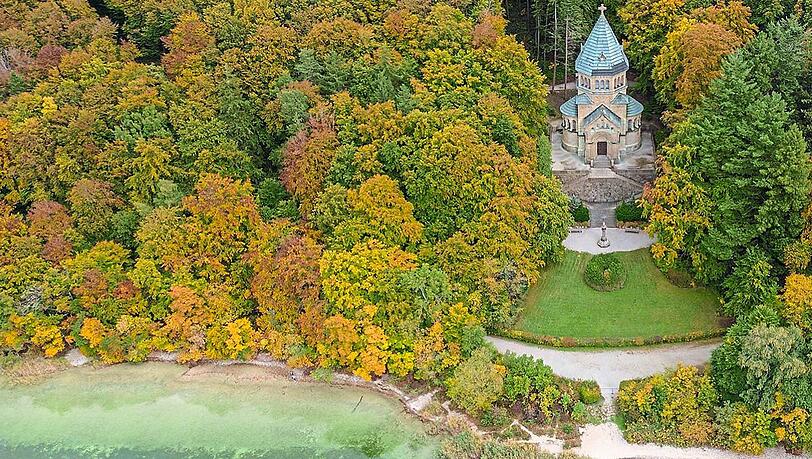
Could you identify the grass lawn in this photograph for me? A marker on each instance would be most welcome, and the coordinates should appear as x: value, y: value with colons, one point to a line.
x: 648, y: 305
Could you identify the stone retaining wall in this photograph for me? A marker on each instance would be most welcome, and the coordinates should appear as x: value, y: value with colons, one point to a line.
x: 602, y: 189
x: 567, y: 177
x: 640, y: 176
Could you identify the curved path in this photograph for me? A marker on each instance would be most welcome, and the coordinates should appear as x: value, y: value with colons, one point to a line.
x: 611, y: 366
x: 621, y: 241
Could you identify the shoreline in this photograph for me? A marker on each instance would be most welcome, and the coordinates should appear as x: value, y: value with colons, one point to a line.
x: 599, y: 441
x: 412, y: 404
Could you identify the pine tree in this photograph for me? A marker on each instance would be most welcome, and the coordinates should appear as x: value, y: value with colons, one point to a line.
x: 752, y: 161
x: 308, y: 67
x: 781, y: 59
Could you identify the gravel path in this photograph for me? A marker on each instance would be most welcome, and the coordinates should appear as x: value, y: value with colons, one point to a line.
x: 611, y: 366
x: 621, y: 241
x: 605, y: 441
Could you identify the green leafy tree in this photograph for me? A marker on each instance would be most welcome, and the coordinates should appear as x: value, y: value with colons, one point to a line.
x: 477, y: 382
x: 751, y: 161
x: 771, y: 357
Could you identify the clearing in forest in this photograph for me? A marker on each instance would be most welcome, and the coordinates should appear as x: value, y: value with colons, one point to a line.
x: 649, y: 305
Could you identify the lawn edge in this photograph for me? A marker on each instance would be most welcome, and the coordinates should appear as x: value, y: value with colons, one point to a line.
x: 570, y: 342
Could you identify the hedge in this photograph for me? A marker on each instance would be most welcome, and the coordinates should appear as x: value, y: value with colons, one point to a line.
x: 568, y: 341
x: 629, y: 212
x: 580, y: 214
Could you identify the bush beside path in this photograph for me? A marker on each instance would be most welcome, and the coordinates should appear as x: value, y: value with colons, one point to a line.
x: 611, y: 366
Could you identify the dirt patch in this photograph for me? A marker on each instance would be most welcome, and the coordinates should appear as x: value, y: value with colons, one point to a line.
x: 236, y: 373
x: 32, y: 370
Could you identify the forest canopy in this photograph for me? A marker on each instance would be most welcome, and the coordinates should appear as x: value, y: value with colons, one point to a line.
x: 340, y: 184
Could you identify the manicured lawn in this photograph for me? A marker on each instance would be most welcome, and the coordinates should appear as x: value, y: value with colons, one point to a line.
x: 562, y: 305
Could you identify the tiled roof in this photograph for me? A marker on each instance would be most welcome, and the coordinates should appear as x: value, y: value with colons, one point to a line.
x: 634, y: 107
x: 605, y: 111
x: 601, y: 54
x: 570, y: 107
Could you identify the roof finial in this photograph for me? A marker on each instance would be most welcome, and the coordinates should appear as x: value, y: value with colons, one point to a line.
x: 602, y: 8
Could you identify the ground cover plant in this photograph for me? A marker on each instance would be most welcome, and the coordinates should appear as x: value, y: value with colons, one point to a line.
x: 562, y: 305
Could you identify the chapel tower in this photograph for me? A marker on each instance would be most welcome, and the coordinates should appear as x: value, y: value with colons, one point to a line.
x: 601, y: 123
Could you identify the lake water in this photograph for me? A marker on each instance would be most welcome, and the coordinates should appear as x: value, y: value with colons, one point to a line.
x: 155, y: 410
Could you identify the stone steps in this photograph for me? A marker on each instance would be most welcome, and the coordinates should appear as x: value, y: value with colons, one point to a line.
x: 601, y: 162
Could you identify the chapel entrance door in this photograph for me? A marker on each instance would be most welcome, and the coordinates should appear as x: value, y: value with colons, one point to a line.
x: 602, y: 148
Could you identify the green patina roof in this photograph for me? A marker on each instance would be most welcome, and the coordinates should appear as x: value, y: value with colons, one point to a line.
x: 601, y: 54
x: 570, y: 107
x: 634, y: 107
x: 605, y: 111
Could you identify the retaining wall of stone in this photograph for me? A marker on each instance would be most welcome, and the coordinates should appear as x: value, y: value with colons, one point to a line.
x: 640, y: 176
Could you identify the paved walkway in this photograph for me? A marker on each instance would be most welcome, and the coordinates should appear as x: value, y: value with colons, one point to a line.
x: 643, y: 158
x: 611, y: 366
x: 600, y: 212
x: 620, y: 240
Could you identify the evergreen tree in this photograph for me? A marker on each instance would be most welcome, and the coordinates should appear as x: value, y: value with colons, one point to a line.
x: 308, y: 67
x: 766, y: 11
x: 752, y: 160
x: 781, y: 59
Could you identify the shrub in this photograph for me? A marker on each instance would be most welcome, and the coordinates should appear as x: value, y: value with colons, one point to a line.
x: 744, y: 430
x: 678, y: 404
x: 580, y: 414
x: 525, y: 375
x: 555, y: 341
x: 514, y: 432
x: 589, y: 392
x: 497, y: 416
x: 477, y: 383
x: 629, y: 212
x: 580, y: 214
x: 605, y: 273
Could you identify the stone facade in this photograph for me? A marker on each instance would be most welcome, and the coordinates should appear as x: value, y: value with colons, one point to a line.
x: 601, y: 120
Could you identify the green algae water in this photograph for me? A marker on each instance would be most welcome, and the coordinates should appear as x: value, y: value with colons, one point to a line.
x: 157, y: 410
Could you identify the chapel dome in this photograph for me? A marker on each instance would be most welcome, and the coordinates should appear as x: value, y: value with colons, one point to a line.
x: 601, y: 54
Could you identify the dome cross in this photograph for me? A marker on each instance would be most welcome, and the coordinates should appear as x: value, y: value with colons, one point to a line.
x: 602, y: 8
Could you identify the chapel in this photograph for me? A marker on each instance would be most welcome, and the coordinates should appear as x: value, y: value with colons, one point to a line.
x: 601, y: 122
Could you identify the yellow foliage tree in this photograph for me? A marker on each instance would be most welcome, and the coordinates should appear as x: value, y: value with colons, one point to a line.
x: 797, y: 304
